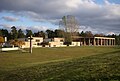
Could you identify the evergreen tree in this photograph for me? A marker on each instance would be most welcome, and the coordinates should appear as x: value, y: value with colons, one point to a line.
x: 59, y: 33
x: 20, y: 34
x: 40, y: 34
x: 50, y: 33
x: 28, y: 33
x: 118, y: 40
x: 14, y: 33
x: 5, y: 32
x: 88, y: 34
x: 82, y: 34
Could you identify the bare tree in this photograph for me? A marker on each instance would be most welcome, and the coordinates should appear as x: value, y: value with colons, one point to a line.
x: 70, y: 25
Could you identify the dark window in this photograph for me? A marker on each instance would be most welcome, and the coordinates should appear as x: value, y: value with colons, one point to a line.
x: 61, y: 40
x: 37, y: 40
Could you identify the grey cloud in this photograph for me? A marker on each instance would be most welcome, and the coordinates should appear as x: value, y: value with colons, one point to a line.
x: 100, y: 18
x: 9, y: 18
x: 6, y: 26
x: 38, y: 6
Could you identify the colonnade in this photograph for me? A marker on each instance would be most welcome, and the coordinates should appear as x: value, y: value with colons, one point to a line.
x: 98, y: 41
x: 104, y: 41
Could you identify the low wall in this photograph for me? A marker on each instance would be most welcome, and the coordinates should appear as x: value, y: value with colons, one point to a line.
x: 9, y: 49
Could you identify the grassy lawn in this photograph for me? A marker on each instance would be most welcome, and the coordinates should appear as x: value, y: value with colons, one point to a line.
x: 61, y: 64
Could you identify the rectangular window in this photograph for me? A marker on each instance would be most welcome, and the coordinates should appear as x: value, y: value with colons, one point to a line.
x: 37, y: 40
x: 61, y: 40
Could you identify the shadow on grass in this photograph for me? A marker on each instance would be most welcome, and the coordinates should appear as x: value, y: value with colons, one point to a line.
x: 112, y: 52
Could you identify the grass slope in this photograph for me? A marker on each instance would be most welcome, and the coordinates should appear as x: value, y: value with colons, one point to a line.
x: 101, y: 67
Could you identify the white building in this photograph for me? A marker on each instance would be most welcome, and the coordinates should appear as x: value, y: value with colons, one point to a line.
x: 59, y: 42
x: 35, y: 42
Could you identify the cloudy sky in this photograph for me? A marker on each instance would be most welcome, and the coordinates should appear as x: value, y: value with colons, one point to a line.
x: 98, y: 16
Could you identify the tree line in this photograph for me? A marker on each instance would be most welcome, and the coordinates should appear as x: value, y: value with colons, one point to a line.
x: 14, y: 34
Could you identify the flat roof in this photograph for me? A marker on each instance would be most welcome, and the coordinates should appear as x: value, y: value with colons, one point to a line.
x: 99, y: 37
x: 104, y: 37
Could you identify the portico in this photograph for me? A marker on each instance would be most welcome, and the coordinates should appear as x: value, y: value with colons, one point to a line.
x: 97, y: 41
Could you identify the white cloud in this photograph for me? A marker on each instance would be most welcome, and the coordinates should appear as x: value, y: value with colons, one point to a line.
x: 38, y: 28
x: 107, y: 2
x: 110, y: 33
x: 33, y: 28
x: 73, y: 3
x: 88, y: 28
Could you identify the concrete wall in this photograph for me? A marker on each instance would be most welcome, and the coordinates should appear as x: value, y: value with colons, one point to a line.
x: 58, y: 40
x: 56, y: 44
x: 9, y: 49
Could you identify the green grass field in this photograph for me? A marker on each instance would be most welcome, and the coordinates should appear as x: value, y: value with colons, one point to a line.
x: 62, y: 64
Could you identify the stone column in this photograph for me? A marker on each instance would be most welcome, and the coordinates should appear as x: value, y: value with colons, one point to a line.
x: 113, y: 42
x: 104, y: 42
x: 89, y: 41
x: 94, y: 42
